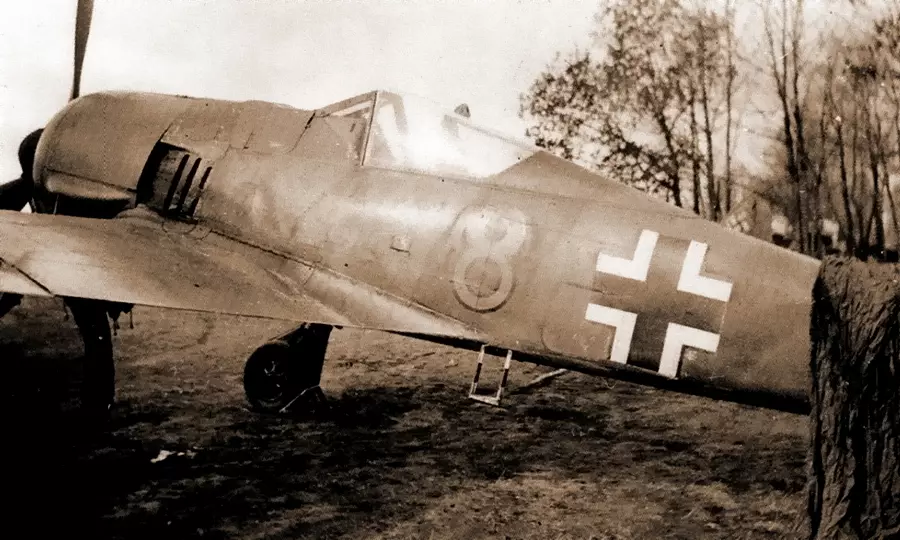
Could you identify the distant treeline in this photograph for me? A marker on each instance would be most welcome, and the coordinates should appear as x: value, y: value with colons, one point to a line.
x: 798, y: 107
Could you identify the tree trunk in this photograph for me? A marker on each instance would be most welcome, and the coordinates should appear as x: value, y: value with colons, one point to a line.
x: 695, y: 149
x: 729, y: 93
x: 854, y: 465
x: 845, y: 191
x: 895, y: 219
x: 715, y: 209
x: 674, y: 165
x: 879, y: 163
x: 856, y: 183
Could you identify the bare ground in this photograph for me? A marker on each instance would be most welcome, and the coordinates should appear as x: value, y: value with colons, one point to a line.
x: 402, y: 454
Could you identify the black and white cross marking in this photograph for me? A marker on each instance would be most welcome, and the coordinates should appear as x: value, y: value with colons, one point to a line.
x: 659, y: 302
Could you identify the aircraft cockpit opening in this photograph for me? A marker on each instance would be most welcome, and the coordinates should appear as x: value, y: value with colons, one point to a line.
x: 414, y: 134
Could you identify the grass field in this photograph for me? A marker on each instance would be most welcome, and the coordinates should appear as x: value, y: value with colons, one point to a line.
x: 401, y: 454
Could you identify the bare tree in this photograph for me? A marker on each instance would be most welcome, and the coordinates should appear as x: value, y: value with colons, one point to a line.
x: 782, y: 26
x: 857, y: 148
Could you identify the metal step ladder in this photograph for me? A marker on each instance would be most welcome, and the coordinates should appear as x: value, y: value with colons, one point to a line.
x: 490, y: 399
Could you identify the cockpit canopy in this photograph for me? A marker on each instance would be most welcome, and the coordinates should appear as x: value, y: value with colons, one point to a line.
x: 411, y: 133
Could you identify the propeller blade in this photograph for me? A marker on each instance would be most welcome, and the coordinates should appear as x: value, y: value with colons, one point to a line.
x: 82, y: 31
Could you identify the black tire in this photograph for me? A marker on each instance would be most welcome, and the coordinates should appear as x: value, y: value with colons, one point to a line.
x: 271, y: 377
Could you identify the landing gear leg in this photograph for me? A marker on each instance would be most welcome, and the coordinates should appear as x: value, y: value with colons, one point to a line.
x: 98, y: 388
x: 8, y: 301
x: 285, y: 372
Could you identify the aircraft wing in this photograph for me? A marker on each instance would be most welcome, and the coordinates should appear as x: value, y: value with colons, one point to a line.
x: 140, y: 258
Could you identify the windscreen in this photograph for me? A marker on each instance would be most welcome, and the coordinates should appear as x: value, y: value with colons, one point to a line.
x: 412, y: 133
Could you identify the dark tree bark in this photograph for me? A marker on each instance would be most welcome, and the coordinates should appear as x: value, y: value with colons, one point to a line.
x: 854, y: 475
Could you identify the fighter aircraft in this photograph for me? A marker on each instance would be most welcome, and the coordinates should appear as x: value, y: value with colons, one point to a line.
x: 383, y: 211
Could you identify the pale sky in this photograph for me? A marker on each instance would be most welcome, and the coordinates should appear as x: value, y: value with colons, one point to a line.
x: 308, y: 53
x: 302, y: 53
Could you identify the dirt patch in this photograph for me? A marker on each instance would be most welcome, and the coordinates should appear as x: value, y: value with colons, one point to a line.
x: 402, y: 454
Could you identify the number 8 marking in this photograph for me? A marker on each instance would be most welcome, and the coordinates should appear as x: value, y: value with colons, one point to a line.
x: 491, y: 238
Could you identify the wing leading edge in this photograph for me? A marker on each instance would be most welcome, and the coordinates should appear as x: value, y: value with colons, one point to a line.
x: 140, y: 258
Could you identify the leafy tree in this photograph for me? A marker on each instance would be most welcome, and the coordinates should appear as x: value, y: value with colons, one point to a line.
x: 643, y: 106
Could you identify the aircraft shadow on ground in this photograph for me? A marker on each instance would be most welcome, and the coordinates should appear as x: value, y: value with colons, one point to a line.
x: 378, y: 456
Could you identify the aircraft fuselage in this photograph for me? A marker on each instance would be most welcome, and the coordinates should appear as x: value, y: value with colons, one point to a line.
x: 547, y: 259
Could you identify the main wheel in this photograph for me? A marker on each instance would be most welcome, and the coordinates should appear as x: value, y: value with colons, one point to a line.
x: 277, y: 373
x: 271, y: 378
